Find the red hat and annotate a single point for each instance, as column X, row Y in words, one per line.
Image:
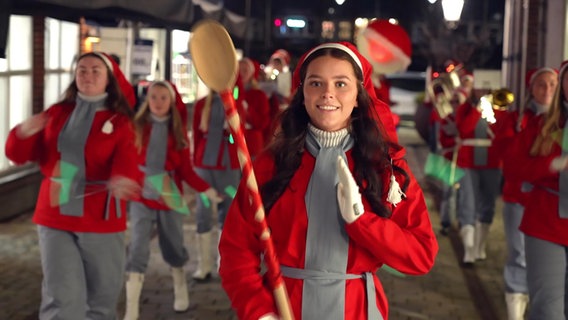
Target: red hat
column 175, row 96
column 281, row 54
column 387, row 46
column 123, row 83
column 533, row 73
column 563, row 68
column 383, row 111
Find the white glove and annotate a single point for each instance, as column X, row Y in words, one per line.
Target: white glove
column 270, row 316
column 559, row 164
column 213, row 195
column 348, row 196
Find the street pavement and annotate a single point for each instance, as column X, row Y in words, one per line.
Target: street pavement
column 449, row 291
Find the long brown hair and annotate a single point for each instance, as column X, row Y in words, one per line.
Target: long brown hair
column 142, row 118
column 370, row 152
column 116, row 101
column 553, row 120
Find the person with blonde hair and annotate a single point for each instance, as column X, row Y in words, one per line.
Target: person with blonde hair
column 539, row 157
column 164, row 158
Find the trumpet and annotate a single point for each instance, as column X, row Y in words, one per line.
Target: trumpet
column 499, row 99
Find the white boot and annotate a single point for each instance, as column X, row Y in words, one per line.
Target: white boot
column 133, row 289
column 218, row 253
column 516, row 305
column 181, row 297
column 481, row 233
column 204, row 264
column 467, row 234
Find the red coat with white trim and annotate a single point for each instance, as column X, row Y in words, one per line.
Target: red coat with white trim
column 178, row 164
column 467, row 117
column 257, row 119
column 200, row 141
column 106, row 155
column 540, row 219
column 405, row 241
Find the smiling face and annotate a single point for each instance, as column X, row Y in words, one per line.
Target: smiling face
column 159, row 100
column 330, row 92
column 91, row 76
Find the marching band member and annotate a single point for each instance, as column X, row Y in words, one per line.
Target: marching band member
column 163, row 153
column 539, row 158
column 330, row 186
column 84, row 146
column 256, row 105
column 479, row 188
column 215, row 161
column 541, row 84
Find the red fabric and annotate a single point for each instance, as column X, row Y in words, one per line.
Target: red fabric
column 467, row 117
column 125, row 86
column 257, row 120
column 178, row 163
column 381, row 112
column 512, row 187
column 107, row 155
column 200, row 141
column 540, row 218
column 393, row 33
column 383, row 92
column 411, row 248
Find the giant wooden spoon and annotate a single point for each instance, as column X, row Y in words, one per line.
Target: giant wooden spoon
column 215, row 61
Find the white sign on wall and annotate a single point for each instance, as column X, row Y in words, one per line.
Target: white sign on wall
column 142, row 57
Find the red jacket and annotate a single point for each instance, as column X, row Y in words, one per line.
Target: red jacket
column 540, row 219
column 200, row 141
column 508, row 128
column 404, row 241
column 467, row 117
column 257, row 120
column 178, row 164
column 106, row 155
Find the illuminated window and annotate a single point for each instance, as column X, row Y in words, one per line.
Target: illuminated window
column 15, row 79
column 59, row 57
column 345, row 30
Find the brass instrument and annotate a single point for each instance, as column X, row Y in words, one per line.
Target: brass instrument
column 499, row 99
column 440, row 92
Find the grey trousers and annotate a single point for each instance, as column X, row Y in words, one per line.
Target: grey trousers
column 547, row 277
column 169, row 225
column 220, row 180
column 82, row 274
column 515, row 270
column 479, row 189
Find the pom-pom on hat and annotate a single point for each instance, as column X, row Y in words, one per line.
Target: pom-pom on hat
column 382, row 110
column 387, row 46
column 533, row 73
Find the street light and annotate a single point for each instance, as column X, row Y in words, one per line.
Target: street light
column 452, row 12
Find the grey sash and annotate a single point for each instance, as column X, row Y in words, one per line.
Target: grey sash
column 155, row 157
column 71, row 144
column 215, row 133
column 327, row 243
column 563, row 179
column 480, row 153
column 372, row 310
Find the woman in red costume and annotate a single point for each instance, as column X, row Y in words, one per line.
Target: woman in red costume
column 84, row 146
column 539, row 156
column 330, row 185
